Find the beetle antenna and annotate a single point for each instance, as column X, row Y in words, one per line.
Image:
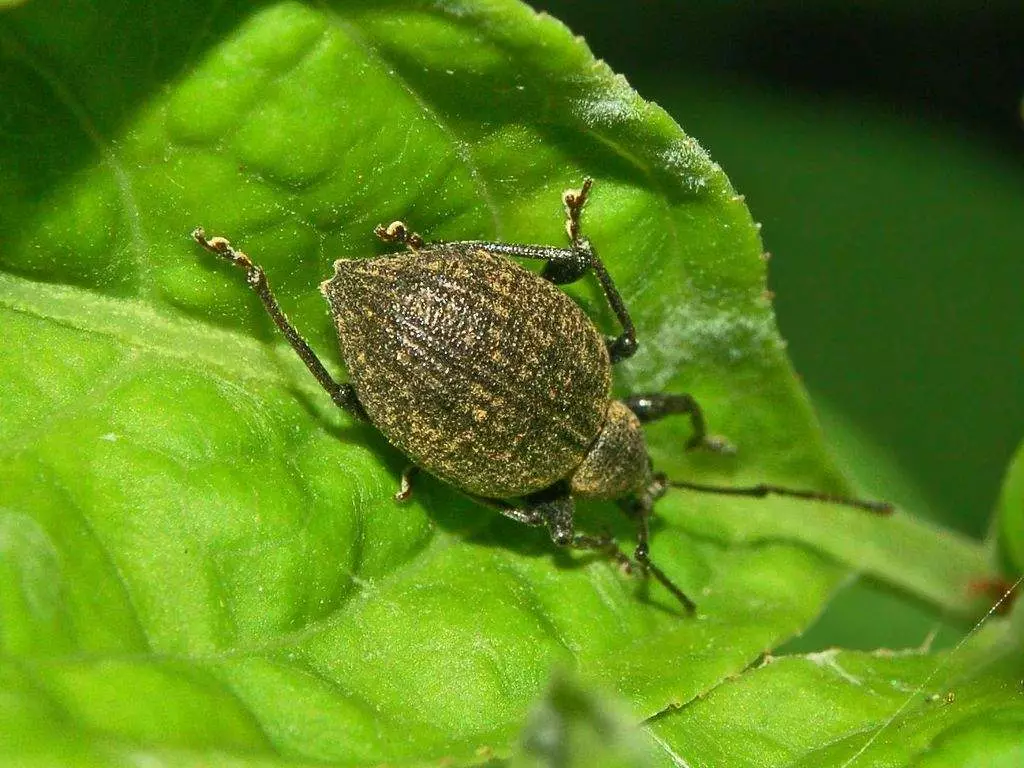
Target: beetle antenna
column 763, row 489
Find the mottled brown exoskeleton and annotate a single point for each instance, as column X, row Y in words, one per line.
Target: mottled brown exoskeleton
column 490, row 378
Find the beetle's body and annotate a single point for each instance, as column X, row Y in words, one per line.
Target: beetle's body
column 495, row 381
column 481, row 372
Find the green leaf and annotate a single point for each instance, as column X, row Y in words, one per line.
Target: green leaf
column 963, row 707
column 1010, row 515
column 201, row 557
column 852, row 307
column 846, row 191
column 934, row 564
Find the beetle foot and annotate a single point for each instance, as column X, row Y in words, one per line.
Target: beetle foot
column 611, row 548
column 398, row 232
column 223, row 248
column 404, row 492
column 574, row 200
column 713, row 443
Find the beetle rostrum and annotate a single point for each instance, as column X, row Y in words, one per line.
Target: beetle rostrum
column 489, row 377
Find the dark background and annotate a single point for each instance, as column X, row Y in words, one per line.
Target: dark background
column 881, row 147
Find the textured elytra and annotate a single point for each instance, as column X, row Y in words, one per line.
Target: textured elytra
column 480, row 371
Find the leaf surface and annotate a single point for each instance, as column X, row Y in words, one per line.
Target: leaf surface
column 962, row 707
column 1010, row 515
column 201, row 557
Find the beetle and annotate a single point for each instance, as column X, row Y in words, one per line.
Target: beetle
column 489, row 377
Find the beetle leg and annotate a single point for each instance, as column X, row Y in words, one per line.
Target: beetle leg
column 557, row 514
column 343, row 395
column 404, row 492
column 658, row 405
column 398, row 232
column 623, row 346
column 606, row 545
column 641, row 508
column 529, row 515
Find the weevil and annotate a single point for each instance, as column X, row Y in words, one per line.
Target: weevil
column 489, row 377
